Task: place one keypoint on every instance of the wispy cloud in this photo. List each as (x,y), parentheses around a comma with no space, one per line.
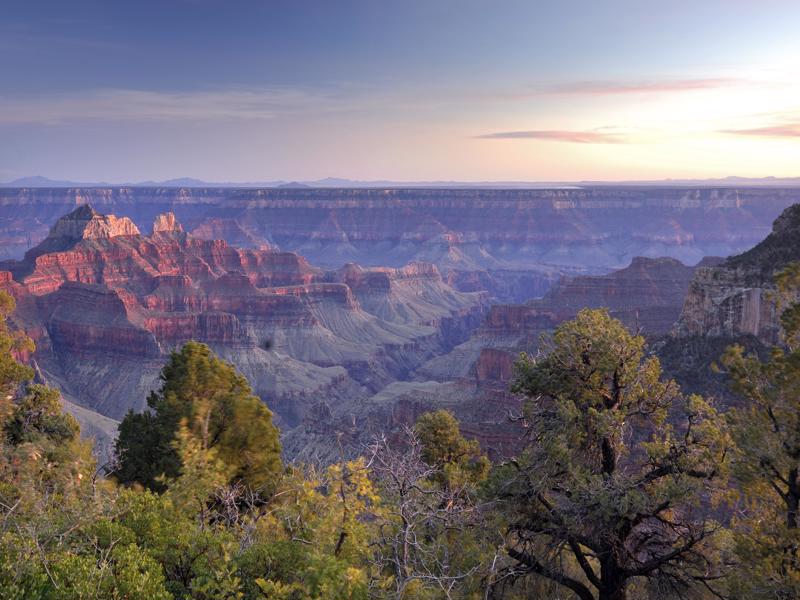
(785,130)
(144,105)
(602,88)
(63,32)
(576,137)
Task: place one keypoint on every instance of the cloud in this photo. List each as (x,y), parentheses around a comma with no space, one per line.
(786,130)
(145,105)
(603,88)
(577,137)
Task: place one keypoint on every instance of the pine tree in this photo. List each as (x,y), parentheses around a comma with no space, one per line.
(217,406)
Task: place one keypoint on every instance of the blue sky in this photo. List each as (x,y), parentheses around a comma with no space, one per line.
(413,90)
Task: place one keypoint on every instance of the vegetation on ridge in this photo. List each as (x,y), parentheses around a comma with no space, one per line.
(626,488)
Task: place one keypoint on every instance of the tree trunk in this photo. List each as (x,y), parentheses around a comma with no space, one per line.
(612,580)
(609,457)
(792,500)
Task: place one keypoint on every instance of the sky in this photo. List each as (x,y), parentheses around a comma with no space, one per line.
(410,90)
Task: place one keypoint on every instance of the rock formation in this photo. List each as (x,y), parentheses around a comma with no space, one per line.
(647,295)
(473,378)
(167,223)
(737,298)
(83,223)
(106,304)
(511,243)
(351,349)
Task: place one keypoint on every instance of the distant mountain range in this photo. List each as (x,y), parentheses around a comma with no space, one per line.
(39,181)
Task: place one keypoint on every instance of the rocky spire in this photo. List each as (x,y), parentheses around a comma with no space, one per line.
(86,223)
(83,223)
(167,223)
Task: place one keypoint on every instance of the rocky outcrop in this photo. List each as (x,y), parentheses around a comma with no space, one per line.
(721,303)
(167,223)
(495,366)
(83,223)
(106,305)
(647,295)
(737,298)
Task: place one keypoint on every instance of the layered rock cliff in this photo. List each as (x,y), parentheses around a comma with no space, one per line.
(647,296)
(357,348)
(737,298)
(512,243)
(472,379)
(106,304)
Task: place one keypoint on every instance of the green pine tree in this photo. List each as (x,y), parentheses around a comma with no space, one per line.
(217,406)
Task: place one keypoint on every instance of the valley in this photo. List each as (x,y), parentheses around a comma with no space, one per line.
(354,311)
(513,243)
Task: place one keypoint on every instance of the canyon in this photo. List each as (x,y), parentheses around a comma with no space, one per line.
(513,243)
(354,311)
(105,305)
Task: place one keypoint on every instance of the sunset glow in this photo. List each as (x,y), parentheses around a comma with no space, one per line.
(247,91)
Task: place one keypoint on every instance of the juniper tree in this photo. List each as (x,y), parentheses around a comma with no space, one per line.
(613,484)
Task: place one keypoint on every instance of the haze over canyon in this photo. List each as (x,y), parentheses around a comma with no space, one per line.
(354,310)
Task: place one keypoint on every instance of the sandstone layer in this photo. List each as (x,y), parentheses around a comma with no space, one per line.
(738,297)
(512,243)
(106,304)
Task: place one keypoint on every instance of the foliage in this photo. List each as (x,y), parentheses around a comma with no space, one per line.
(614,484)
(314,543)
(458,462)
(429,541)
(67,534)
(217,405)
(767,460)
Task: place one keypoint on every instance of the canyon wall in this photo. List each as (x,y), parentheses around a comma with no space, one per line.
(738,297)
(106,304)
(512,243)
(472,379)
(341,348)
(647,296)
